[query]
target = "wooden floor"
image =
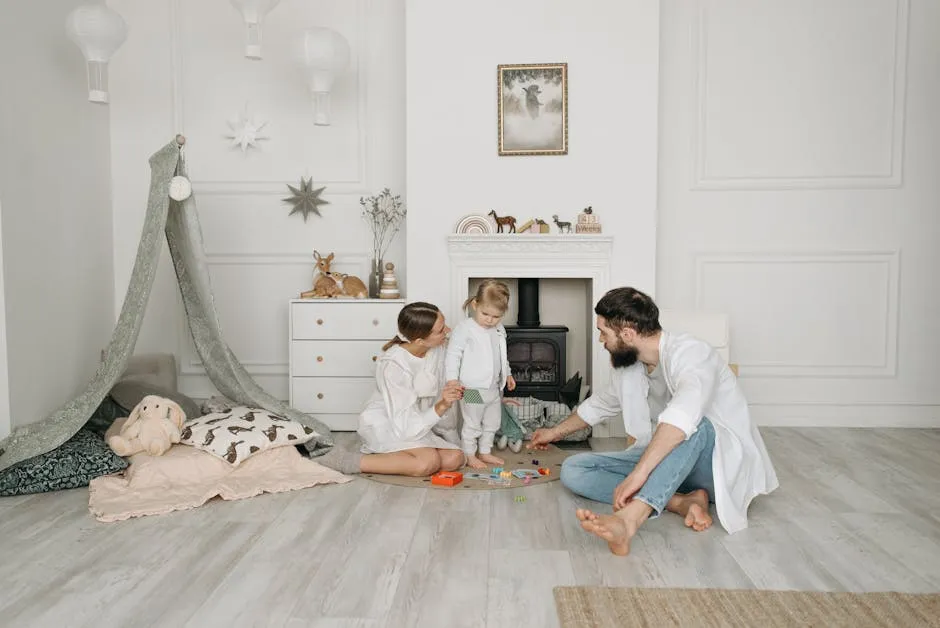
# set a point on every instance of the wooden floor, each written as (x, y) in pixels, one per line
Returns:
(858, 510)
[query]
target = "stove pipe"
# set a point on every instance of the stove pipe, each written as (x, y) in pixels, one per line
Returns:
(528, 303)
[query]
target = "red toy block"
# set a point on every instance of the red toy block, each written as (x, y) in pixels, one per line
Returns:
(447, 478)
(544, 471)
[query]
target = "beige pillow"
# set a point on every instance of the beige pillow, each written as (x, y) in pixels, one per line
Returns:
(241, 432)
(185, 477)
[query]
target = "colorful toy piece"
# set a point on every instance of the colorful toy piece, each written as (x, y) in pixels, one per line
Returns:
(505, 474)
(497, 469)
(447, 478)
(544, 471)
(520, 498)
(535, 462)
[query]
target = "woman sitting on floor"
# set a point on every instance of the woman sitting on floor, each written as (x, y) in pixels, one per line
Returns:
(407, 427)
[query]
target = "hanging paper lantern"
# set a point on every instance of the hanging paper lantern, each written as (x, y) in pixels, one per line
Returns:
(325, 54)
(253, 12)
(98, 31)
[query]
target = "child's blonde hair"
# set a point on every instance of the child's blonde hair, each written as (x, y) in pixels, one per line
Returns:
(491, 292)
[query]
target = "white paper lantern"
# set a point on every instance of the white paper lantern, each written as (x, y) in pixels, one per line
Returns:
(253, 12)
(326, 56)
(98, 31)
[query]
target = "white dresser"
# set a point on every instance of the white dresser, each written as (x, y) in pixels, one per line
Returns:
(334, 344)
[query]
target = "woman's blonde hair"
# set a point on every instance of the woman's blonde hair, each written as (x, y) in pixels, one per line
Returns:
(491, 292)
(415, 321)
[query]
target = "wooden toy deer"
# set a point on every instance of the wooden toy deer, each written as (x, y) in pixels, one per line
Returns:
(562, 226)
(509, 221)
(332, 284)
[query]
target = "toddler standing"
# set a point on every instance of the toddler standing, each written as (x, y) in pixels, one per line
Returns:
(476, 358)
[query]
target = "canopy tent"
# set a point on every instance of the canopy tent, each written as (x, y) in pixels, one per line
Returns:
(180, 222)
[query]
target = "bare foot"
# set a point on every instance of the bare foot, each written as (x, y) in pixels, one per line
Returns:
(613, 529)
(475, 463)
(491, 459)
(694, 507)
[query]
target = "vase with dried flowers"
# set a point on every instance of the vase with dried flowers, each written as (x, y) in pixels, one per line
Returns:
(385, 214)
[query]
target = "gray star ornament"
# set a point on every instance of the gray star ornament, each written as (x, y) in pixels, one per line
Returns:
(305, 199)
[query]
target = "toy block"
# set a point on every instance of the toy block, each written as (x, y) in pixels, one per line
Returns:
(545, 471)
(447, 478)
(497, 469)
(505, 474)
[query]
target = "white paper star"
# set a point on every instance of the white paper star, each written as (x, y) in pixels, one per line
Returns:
(246, 131)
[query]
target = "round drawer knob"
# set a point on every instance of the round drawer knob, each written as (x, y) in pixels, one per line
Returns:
(319, 321)
(319, 358)
(375, 321)
(374, 358)
(319, 395)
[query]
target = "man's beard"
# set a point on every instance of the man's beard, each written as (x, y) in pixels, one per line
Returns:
(623, 356)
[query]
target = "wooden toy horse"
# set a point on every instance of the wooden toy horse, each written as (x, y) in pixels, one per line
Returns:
(509, 221)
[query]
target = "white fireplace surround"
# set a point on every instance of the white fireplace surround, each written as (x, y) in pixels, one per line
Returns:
(537, 256)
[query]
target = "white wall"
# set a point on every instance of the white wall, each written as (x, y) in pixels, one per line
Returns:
(55, 193)
(452, 53)
(183, 70)
(798, 193)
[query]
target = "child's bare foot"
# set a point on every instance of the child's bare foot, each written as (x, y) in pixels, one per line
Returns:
(475, 463)
(613, 529)
(491, 459)
(694, 507)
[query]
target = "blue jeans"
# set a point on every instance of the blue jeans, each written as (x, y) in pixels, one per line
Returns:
(686, 468)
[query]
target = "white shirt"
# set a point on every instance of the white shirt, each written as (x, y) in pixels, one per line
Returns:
(474, 358)
(699, 384)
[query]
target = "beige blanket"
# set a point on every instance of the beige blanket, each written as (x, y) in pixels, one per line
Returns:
(185, 477)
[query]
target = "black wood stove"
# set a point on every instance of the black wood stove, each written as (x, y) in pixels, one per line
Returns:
(536, 352)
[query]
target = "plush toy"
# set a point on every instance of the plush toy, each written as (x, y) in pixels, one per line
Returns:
(153, 426)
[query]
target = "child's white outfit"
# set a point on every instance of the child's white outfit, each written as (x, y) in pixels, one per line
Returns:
(476, 356)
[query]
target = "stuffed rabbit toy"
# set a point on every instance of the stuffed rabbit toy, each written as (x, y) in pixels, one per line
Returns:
(153, 427)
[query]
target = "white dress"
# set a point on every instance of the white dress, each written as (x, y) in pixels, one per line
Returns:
(400, 414)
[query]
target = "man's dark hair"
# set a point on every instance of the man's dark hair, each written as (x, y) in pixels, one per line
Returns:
(628, 307)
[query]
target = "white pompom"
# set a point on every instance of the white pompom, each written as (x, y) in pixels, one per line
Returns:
(180, 188)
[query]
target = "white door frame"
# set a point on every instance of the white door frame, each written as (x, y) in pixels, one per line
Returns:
(6, 422)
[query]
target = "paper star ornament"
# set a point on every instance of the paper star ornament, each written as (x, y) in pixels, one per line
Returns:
(305, 199)
(245, 131)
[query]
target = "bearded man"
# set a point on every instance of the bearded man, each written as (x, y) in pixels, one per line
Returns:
(695, 441)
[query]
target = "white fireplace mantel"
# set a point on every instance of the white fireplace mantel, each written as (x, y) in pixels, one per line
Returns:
(576, 256)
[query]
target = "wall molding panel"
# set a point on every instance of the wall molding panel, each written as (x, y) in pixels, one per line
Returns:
(851, 177)
(729, 272)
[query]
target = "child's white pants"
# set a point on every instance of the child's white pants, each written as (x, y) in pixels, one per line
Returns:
(481, 422)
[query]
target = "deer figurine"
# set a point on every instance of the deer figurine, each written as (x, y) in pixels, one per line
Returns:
(562, 225)
(508, 221)
(332, 284)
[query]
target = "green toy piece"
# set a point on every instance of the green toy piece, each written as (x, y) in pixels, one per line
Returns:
(472, 395)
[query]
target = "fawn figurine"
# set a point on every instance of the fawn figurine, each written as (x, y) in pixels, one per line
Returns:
(508, 221)
(562, 226)
(333, 284)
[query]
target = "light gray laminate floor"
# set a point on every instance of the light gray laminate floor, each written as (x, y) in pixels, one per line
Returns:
(858, 510)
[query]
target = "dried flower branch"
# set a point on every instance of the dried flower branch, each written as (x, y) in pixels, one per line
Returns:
(385, 214)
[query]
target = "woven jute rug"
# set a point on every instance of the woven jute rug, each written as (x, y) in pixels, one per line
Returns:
(550, 459)
(603, 607)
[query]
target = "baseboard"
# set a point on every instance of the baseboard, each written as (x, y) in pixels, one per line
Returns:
(847, 415)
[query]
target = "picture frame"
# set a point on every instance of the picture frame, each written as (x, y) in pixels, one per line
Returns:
(532, 108)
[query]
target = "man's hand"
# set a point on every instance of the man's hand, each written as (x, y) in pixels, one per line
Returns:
(511, 383)
(541, 438)
(628, 488)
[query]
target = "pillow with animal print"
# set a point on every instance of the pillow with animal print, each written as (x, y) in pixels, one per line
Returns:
(236, 434)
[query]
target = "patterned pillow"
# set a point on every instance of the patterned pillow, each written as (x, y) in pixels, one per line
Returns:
(236, 434)
(72, 464)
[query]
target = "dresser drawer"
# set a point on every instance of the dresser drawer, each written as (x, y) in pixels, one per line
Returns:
(335, 358)
(344, 320)
(331, 395)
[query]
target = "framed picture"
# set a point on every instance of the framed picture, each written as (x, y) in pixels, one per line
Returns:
(533, 108)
